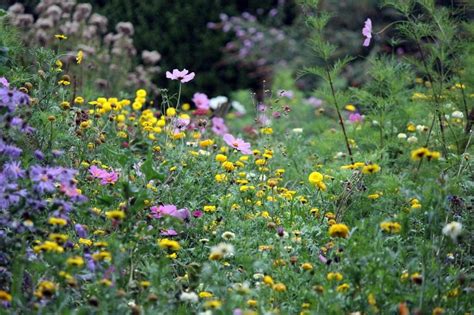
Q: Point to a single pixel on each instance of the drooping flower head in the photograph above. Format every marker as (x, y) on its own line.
(238, 144)
(183, 76)
(367, 32)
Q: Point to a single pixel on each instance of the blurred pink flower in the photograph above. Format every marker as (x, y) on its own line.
(183, 75)
(356, 118)
(218, 126)
(168, 232)
(237, 143)
(201, 101)
(367, 32)
(103, 175)
(170, 210)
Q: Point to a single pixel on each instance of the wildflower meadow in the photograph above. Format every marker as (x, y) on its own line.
(321, 163)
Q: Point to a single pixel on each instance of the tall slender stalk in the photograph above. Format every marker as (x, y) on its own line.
(341, 121)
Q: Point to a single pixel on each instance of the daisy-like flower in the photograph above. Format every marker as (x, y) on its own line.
(367, 32)
(201, 101)
(183, 76)
(170, 210)
(237, 144)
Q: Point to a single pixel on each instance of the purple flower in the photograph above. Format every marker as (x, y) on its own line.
(218, 126)
(12, 98)
(10, 150)
(183, 76)
(367, 32)
(197, 213)
(13, 170)
(314, 101)
(80, 231)
(39, 155)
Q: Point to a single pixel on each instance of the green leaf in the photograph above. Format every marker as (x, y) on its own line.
(149, 171)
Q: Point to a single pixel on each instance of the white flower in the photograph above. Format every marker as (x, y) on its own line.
(412, 139)
(402, 135)
(238, 107)
(227, 235)
(188, 297)
(457, 114)
(452, 230)
(421, 128)
(217, 102)
(222, 250)
(297, 130)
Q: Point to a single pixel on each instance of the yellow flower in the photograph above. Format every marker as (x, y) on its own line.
(279, 287)
(58, 238)
(205, 295)
(5, 296)
(316, 178)
(170, 112)
(391, 227)
(169, 244)
(213, 304)
(339, 230)
(206, 143)
(334, 276)
(141, 93)
(79, 57)
(343, 288)
(307, 266)
(57, 221)
(145, 284)
(251, 303)
(433, 155)
(418, 154)
(209, 208)
(115, 215)
(60, 36)
(350, 107)
(267, 280)
(85, 241)
(76, 261)
(103, 255)
(374, 196)
(221, 158)
(228, 166)
(79, 100)
(220, 177)
(45, 289)
(370, 169)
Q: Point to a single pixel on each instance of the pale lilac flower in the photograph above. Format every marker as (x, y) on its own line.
(4, 82)
(168, 232)
(367, 32)
(238, 144)
(183, 75)
(314, 101)
(201, 101)
(109, 178)
(218, 126)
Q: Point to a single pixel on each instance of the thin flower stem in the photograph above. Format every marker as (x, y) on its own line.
(341, 121)
(179, 95)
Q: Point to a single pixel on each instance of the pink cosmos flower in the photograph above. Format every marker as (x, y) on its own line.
(109, 178)
(201, 101)
(170, 210)
(103, 175)
(4, 82)
(197, 213)
(367, 32)
(356, 118)
(218, 126)
(183, 75)
(237, 143)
